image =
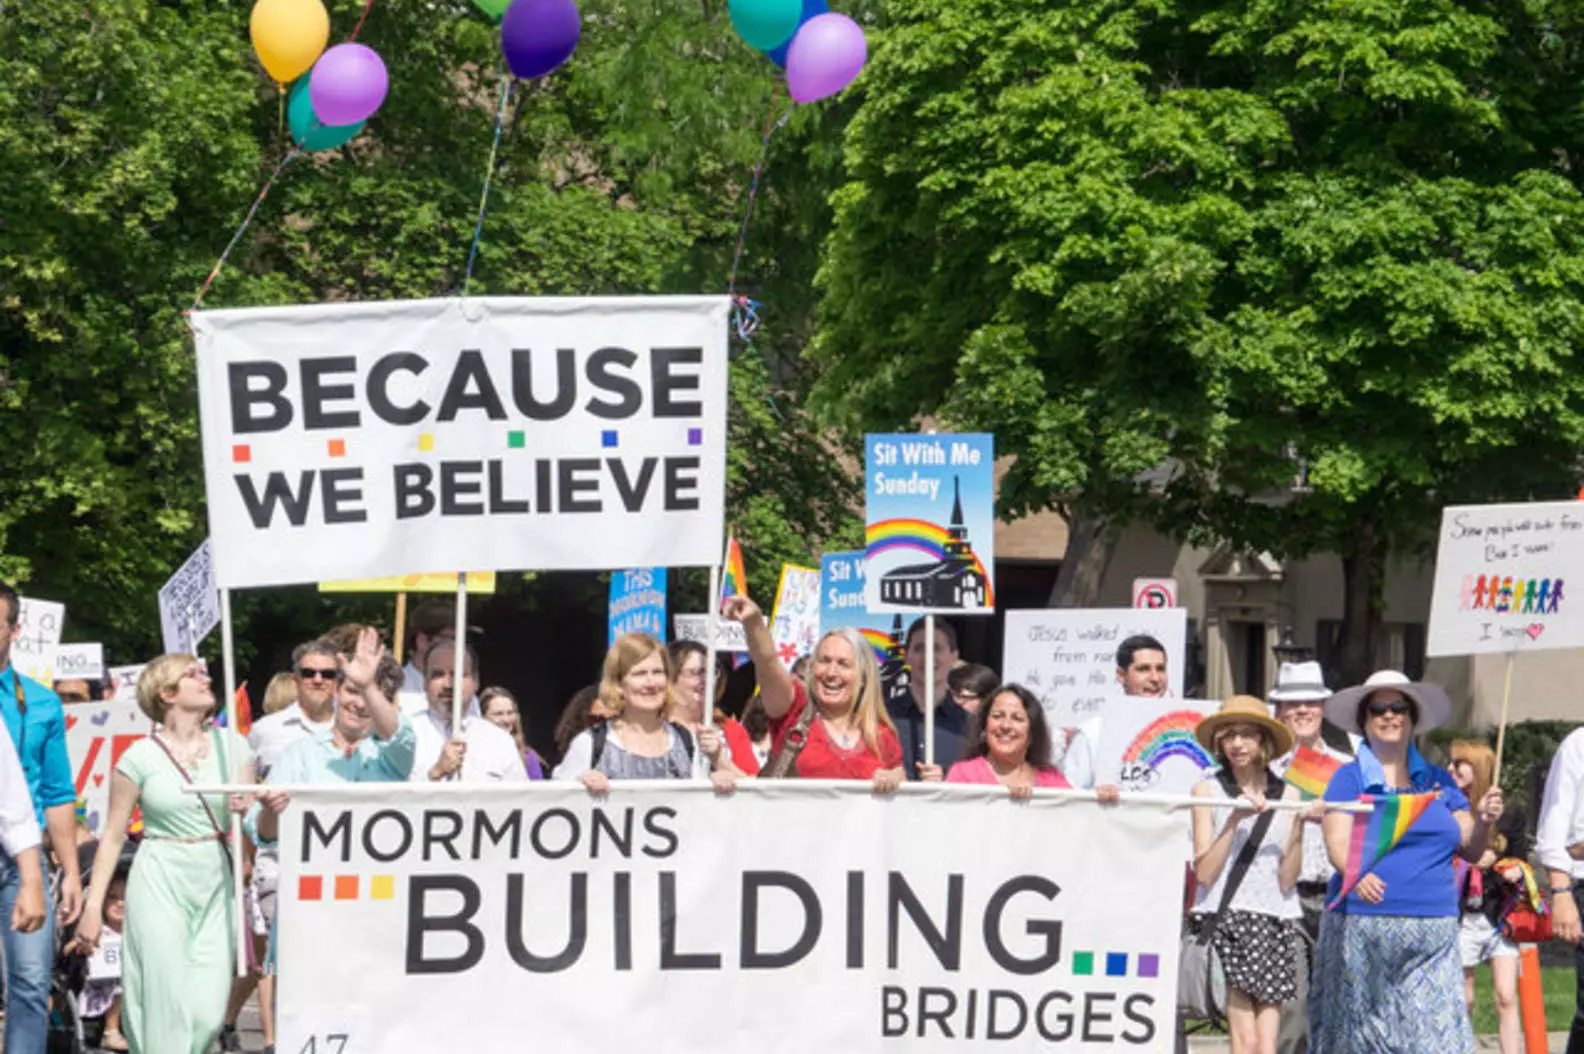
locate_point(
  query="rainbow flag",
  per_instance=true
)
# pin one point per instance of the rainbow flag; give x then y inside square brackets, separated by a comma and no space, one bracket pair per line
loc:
[735,581]
[1311,770]
[1377,832]
[244,708]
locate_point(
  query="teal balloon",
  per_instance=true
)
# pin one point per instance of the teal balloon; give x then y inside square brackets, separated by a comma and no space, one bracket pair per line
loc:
[766,24]
[306,131]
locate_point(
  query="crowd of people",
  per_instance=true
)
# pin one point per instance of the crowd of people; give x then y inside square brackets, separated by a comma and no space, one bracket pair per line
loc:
[1383,965]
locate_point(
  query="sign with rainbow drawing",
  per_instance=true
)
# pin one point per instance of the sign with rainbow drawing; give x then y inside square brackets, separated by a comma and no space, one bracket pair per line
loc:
[929,531]
[1149,744]
[842,607]
[1501,579]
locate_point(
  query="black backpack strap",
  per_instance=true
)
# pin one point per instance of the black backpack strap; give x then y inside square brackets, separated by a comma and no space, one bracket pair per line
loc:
[597,749]
[686,737]
[1245,857]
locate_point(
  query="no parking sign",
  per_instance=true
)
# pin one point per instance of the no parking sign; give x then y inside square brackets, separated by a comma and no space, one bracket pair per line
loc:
[1154,592]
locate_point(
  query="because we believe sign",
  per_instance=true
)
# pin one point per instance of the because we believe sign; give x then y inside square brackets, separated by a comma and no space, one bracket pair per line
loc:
[361,440]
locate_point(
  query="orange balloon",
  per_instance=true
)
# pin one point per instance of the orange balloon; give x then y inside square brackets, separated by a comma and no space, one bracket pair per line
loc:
[289,36]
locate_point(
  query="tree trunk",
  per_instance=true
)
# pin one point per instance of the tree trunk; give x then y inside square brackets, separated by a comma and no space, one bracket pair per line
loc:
[1091,541]
[1363,577]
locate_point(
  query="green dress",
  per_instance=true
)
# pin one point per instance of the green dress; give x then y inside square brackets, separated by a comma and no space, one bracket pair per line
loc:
[180,934]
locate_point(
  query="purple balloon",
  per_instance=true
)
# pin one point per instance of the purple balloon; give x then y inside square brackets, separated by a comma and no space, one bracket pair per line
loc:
[539,35]
[348,84]
[825,56]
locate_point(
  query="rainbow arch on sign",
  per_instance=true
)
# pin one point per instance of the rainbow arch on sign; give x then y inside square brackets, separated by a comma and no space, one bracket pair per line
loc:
[919,536]
[1169,736]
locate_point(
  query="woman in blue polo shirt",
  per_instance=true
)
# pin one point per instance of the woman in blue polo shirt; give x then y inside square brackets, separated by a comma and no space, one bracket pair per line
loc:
[1390,977]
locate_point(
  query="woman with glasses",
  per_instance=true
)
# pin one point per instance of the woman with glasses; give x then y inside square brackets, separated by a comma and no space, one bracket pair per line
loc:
[177,946]
[689,671]
[1391,977]
[972,685]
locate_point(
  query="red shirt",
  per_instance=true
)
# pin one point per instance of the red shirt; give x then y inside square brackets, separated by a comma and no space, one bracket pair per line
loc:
[822,758]
[741,747]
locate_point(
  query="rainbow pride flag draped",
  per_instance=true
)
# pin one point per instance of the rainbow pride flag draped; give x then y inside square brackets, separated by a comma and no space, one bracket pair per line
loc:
[735,580]
[1377,832]
[244,707]
[1311,771]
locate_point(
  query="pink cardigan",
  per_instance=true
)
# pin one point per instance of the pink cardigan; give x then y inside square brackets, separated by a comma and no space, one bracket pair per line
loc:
[978,770]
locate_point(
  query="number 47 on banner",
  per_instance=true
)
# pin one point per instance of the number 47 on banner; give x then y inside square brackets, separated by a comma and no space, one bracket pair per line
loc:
[332,1043]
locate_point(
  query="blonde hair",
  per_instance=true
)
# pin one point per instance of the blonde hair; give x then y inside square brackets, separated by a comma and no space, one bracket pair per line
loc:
[162,673]
[867,703]
[629,650]
[281,693]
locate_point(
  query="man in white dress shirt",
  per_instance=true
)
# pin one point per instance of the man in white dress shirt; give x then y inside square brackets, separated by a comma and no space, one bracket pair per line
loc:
[477,751]
[1559,844]
[1141,671]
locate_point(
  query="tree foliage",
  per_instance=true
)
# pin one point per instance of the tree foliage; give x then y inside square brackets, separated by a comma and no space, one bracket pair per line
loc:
[1232,238]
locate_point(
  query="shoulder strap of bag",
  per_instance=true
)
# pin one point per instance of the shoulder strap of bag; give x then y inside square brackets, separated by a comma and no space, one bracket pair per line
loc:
[784,763]
[1240,866]
[214,822]
[685,736]
[597,748]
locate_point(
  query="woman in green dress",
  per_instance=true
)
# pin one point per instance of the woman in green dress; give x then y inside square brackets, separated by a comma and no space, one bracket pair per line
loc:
[177,956]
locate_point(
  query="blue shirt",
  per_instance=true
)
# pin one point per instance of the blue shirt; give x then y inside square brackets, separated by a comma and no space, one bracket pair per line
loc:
[1420,881]
[318,760]
[951,730]
[40,741]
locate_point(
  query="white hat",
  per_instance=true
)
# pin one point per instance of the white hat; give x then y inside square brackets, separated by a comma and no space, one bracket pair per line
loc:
[1300,682]
[1435,706]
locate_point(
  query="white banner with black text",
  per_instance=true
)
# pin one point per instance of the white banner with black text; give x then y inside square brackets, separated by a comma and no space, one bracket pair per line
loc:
[790,916]
[513,433]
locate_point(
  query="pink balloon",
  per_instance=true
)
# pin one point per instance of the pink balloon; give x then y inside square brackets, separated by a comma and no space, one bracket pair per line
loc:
[826,55]
[349,83]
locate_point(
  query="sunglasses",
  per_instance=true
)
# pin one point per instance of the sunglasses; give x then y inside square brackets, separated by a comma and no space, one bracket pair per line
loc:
[1396,706]
[309,673]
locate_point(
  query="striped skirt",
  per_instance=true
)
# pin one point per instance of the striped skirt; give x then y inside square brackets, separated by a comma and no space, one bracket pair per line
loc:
[1387,985]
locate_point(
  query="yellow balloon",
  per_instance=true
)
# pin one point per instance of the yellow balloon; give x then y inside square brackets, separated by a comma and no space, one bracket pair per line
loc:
[289,36]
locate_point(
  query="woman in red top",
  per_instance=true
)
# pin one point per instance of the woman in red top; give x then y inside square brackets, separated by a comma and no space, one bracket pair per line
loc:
[847,734]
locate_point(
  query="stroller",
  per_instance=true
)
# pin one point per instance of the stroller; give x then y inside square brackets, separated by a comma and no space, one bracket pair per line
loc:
[69,1033]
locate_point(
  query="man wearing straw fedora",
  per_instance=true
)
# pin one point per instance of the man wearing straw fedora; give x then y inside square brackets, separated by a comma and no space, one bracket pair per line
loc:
[1299,699]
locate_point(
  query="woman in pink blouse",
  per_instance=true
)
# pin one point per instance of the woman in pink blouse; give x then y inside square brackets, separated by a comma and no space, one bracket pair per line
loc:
[1011,745]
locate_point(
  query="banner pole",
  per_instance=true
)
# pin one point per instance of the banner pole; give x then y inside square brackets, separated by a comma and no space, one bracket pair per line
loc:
[401,625]
[458,656]
[238,903]
[929,688]
[1501,727]
[709,646]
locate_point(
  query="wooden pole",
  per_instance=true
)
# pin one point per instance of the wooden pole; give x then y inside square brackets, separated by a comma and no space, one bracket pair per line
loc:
[1501,728]
[929,689]
[401,625]
[238,902]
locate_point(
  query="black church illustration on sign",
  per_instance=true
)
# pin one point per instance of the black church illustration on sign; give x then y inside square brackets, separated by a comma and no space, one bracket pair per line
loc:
[894,671]
[952,582]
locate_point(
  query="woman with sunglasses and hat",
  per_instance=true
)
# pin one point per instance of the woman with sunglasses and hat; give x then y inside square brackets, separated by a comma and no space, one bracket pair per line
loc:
[1388,953]
[1255,929]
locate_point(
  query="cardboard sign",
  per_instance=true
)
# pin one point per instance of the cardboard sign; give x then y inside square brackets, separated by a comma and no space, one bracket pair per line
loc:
[79,662]
[97,734]
[729,636]
[190,603]
[1503,577]
[929,533]
[1149,744]
[637,603]
[795,625]
[480,582]
[39,624]
[360,440]
[1067,656]
[125,679]
[670,918]
[842,606]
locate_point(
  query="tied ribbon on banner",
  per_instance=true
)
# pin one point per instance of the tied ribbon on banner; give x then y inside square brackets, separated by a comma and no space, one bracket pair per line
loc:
[1377,833]
[1310,771]
[745,316]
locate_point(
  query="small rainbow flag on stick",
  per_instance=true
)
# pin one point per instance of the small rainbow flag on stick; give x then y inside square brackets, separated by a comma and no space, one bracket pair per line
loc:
[1377,833]
[1311,770]
[735,580]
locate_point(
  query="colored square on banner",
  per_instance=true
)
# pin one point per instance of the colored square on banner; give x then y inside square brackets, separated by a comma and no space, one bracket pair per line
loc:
[1148,965]
[515,440]
[346,887]
[337,448]
[1116,964]
[1083,964]
[382,887]
[241,453]
[426,441]
[695,436]
[310,887]
[608,439]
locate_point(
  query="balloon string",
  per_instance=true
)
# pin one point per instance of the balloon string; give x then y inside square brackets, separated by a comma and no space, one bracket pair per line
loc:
[369,6]
[771,124]
[237,237]
[489,176]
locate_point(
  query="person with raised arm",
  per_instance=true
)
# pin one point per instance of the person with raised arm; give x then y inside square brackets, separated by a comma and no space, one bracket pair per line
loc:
[833,724]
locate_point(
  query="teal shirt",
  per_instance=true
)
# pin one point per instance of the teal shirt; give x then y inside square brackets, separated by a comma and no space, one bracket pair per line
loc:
[318,760]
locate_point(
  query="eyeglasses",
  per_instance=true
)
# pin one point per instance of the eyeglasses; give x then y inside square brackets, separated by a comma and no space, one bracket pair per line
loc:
[1396,706]
[309,673]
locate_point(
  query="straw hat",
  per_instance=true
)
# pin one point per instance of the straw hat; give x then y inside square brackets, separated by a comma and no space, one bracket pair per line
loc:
[1435,706]
[1244,710]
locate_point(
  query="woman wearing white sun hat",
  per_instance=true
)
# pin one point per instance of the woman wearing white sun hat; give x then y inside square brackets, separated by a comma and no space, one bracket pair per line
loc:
[1388,951]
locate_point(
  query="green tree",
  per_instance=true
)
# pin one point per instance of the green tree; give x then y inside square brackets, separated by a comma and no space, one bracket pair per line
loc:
[1176,252]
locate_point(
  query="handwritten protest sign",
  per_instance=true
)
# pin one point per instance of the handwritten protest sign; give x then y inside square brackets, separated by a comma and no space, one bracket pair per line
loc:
[79,662]
[729,635]
[929,534]
[190,602]
[125,679]
[39,624]
[1149,744]
[795,625]
[359,440]
[938,918]
[478,582]
[97,734]
[1502,577]
[1067,656]
[637,603]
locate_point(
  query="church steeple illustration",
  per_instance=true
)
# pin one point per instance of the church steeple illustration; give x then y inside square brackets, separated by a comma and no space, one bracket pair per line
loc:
[952,582]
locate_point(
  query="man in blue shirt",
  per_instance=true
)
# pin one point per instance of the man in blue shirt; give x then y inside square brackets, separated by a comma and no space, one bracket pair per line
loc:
[906,704]
[37,724]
